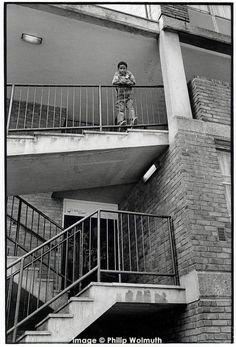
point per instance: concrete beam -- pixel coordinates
(101, 16)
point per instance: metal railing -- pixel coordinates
(117, 246)
(27, 227)
(73, 108)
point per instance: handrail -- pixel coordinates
(116, 244)
(40, 212)
(76, 107)
(52, 239)
(77, 85)
(36, 225)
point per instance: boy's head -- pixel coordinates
(122, 67)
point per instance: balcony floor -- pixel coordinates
(58, 162)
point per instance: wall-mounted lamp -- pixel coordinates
(149, 173)
(32, 39)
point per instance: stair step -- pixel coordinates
(64, 308)
(52, 315)
(33, 333)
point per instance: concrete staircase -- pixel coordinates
(80, 312)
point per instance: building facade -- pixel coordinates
(85, 219)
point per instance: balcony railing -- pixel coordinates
(73, 108)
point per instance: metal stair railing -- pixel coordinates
(117, 246)
(72, 108)
(27, 227)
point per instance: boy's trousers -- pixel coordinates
(125, 109)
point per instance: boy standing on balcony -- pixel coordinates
(124, 80)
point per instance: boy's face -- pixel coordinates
(122, 69)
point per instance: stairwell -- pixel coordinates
(57, 295)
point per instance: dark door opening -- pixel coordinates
(83, 256)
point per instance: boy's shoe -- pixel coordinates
(134, 121)
(123, 122)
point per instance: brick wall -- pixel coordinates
(202, 321)
(51, 207)
(175, 11)
(211, 100)
(188, 186)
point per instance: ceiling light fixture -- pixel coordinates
(149, 173)
(32, 38)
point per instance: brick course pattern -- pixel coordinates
(211, 100)
(175, 11)
(203, 321)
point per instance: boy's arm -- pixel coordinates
(131, 80)
(116, 79)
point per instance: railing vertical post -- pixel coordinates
(18, 300)
(18, 227)
(100, 106)
(118, 245)
(10, 107)
(99, 246)
(173, 250)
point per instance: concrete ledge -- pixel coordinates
(218, 130)
(57, 134)
(97, 132)
(102, 16)
(150, 131)
(167, 23)
(134, 285)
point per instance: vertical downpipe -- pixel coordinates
(10, 106)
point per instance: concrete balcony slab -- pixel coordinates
(44, 163)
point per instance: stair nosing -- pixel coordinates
(33, 332)
(82, 299)
(54, 315)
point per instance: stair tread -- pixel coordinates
(37, 332)
(54, 315)
(34, 333)
(80, 299)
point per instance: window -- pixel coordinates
(215, 10)
(225, 166)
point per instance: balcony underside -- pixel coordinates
(58, 162)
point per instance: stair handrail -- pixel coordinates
(95, 265)
(20, 261)
(39, 212)
(50, 240)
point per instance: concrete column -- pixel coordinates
(175, 84)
